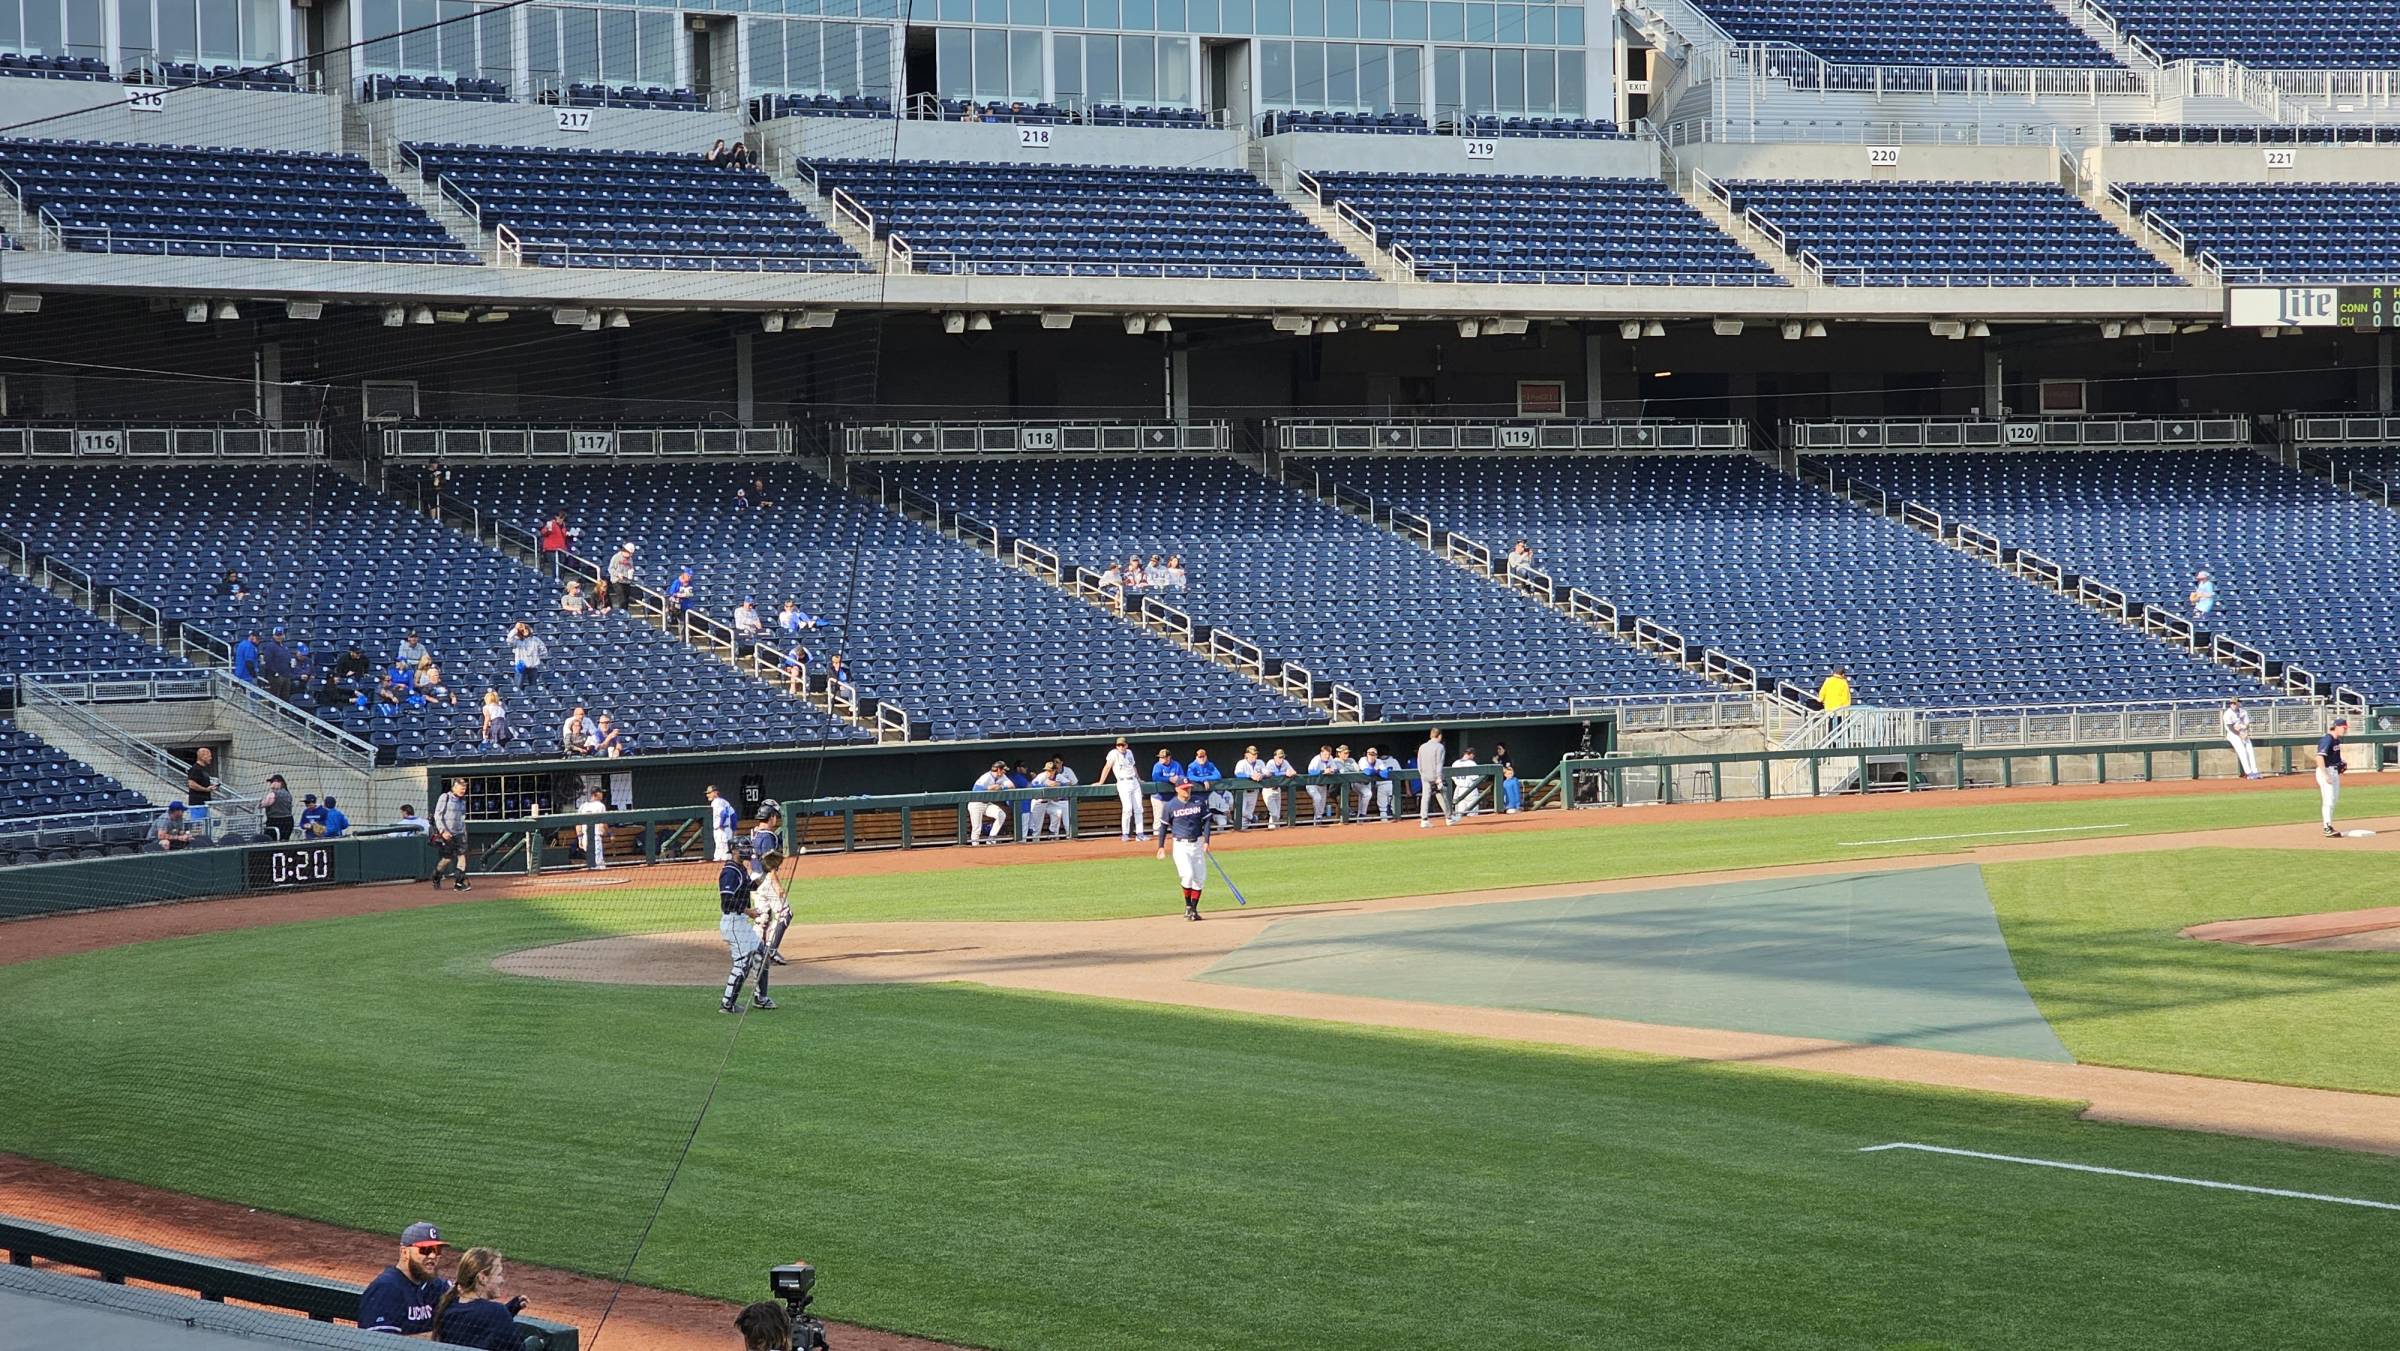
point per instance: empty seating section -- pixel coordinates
(38, 779)
(1074, 220)
(973, 647)
(650, 98)
(1733, 555)
(2284, 232)
(1894, 233)
(1382, 124)
(1915, 33)
(40, 634)
(2210, 133)
(466, 89)
(1544, 128)
(1352, 603)
(1603, 231)
(256, 79)
(1144, 115)
(2290, 34)
(634, 209)
(2303, 570)
(112, 197)
(767, 106)
(334, 563)
(41, 67)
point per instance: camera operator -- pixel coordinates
(765, 1327)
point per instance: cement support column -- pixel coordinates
(1595, 380)
(1179, 379)
(745, 381)
(1995, 379)
(2383, 372)
(267, 397)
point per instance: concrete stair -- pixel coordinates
(2095, 196)
(1359, 244)
(852, 233)
(384, 155)
(1721, 216)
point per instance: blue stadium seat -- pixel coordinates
(2286, 34)
(1915, 233)
(1915, 33)
(2284, 232)
(42, 66)
(38, 779)
(41, 634)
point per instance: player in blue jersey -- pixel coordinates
(401, 1297)
(1184, 817)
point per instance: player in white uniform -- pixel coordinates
(1062, 775)
(2330, 765)
(1279, 766)
(1321, 763)
(1250, 769)
(1119, 767)
(1465, 789)
(595, 835)
(994, 780)
(721, 819)
(1432, 758)
(2237, 734)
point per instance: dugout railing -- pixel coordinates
(216, 1280)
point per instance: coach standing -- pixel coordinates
(450, 834)
(1119, 768)
(722, 818)
(2329, 769)
(1432, 758)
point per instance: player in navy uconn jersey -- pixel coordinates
(1185, 817)
(401, 1297)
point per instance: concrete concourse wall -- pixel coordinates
(95, 110)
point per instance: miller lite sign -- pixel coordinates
(2283, 307)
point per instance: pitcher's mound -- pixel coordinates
(2342, 930)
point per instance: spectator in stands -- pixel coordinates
(2204, 598)
(679, 591)
(1135, 578)
(200, 781)
(971, 113)
(717, 156)
(1834, 694)
(620, 578)
(429, 684)
(349, 672)
(173, 829)
(450, 836)
(412, 653)
(1520, 559)
(409, 823)
(245, 658)
(495, 720)
(479, 1310)
(554, 537)
(337, 821)
(740, 159)
(986, 820)
(1512, 790)
(402, 1296)
(526, 651)
(1175, 575)
(304, 668)
(747, 627)
(792, 619)
(390, 693)
(575, 602)
(611, 741)
(579, 733)
(837, 671)
(275, 665)
(312, 818)
(275, 808)
(765, 1326)
(1112, 584)
(595, 835)
(795, 669)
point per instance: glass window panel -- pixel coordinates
(1028, 13)
(1570, 83)
(1447, 95)
(1308, 18)
(953, 64)
(1541, 82)
(496, 55)
(1508, 80)
(762, 43)
(84, 37)
(1205, 16)
(262, 30)
(1103, 13)
(1171, 16)
(839, 43)
(1541, 26)
(617, 46)
(1478, 64)
(1275, 73)
(1274, 17)
(1409, 20)
(804, 55)
(991, 11)
(1341, 74)
(1141, 70)
(1066, 65)
(1341, 18)
(879, 9)
(875, 60)
(1375, 79)
(956, 11)
(1066, 13)
(660, 59)
(1025, 66)
(541, 43)
(1482, 22)
(41, 26)
(1449, 22)
(12, 26)
(1140, 16)
(1308, 74)
(1570, 27)
(1100, 68)
(417, 50)
(1175, 72)
(579, 44)
(1375, 18)
(1512, 25)
(991, 63)
(454, 41)
(179, 32)
(1238, 17)
(1408, 79)
(133, 30)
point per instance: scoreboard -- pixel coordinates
(2361, 307)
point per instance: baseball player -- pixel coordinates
(1279, 766)
(1320, 763)
(1249, 769)
(721, 822)
(735, 888)
(2329, 770)
(1062, 775)
(774, 909)
(1360, 793)
(1118, 767)
(1185, 817)
(1377, 792)
(993, 780)
(1163, 774)
(1466, 790)
(2237, 734)
(1045, 777)
(1207, 776)
(1431, 759)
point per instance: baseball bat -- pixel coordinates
(1238, 897)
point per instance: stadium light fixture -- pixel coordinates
(196, 312)
(818, 318)
(1506, 328)
(1058, 319)
(1138, 324)
(954, 322)
(21, 302)
(1979, 329)
(979, 322)
(1470, 328)
(2270, 331)
(1288, 323)
(2112, 329)
(564, 318)
(619, 319)
(1791, 330)
(1630, 330)
(1383, 326)
(1726, 328)
(771, 322)
(1329, 324)
(1160, 323)
(1654, 329)
(304, 309)
(225, 310)
(1816, 328)
(422, 314)
(2158, 328)
(1947, 328)
(396, 315)
(1662, 375)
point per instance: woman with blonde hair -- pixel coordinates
(477, 1309)
(495, 720)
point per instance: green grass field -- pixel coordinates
(1015, 1170)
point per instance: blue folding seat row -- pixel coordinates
(1922, 233)
(1915, 32)
(2284, 232)
(45, 66)
(2285, 34)
(1381, 124)
(2211, 133)
(652, 98)
(257, 79)
(465, 89)
(766, 106)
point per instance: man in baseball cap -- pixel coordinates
(401, 1298)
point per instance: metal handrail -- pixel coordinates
(352, 751)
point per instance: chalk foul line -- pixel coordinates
(1988, 834)
(2145, 1177)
